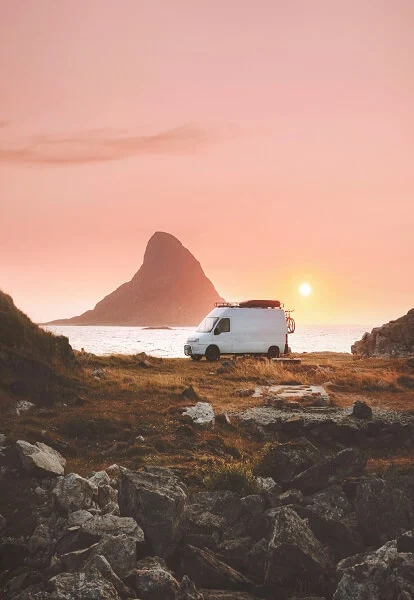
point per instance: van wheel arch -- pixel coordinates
(273, 352)
(212, 353)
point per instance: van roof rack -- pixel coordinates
(251, 304)
(226, 304)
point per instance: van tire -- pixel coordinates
(273, 352)
(196, 357)
(212, 353)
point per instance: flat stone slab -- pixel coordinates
(296, 393)
(268, 416)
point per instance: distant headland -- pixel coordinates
(170, 289)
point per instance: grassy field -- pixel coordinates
(130, 412)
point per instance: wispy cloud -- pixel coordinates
(101, 145)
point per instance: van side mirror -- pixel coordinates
(217, 331)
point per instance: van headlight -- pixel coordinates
(193, 340)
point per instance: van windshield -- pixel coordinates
(207, 325)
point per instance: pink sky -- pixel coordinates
(274, 139)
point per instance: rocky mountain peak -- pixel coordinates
(169, 289)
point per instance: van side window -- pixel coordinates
(223, 326)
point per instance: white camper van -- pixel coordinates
(252, 327)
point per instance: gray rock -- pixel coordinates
(383, 511)
(201, 414)
(73, 492)
(294, 552)
(341, 539)
(121, 553)
(381, 575)
(41, 546)
(234, 551)
(102, 565)
(100, 478)
(79, 517)
(188, 591)
(156, 499)
(108, 499)
(361, 410)
(190, 394)
(331, 470)
(40, 459)
(82, 586)
(103, 525)
(23, 406)
(22, 585)
(290, 497)
(330, 503)
(113, 471)
(73, 561)
(98, 373)
(207, 570)
(267, 484)
(154, 581)
(283, 461)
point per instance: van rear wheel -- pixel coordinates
(212, 353)
(273, 352)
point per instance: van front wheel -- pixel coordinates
(273, 352)
(212, 353)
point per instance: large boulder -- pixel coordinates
(384, 511)
(82, 585)
(333, 469)
(333, 521)
(395, 338)
(381, 575)
(156, 499)
(102, 565)
(283, 461)
(208, 515)
(74, 492)
(154, 581)
(207, 570)
(121, 551)
(103, 525)
(40, 459)
(294, 553)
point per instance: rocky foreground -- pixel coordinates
(316, 527)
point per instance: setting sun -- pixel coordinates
(305, 289)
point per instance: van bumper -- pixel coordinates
(188, 351)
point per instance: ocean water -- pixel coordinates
(169, 343)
